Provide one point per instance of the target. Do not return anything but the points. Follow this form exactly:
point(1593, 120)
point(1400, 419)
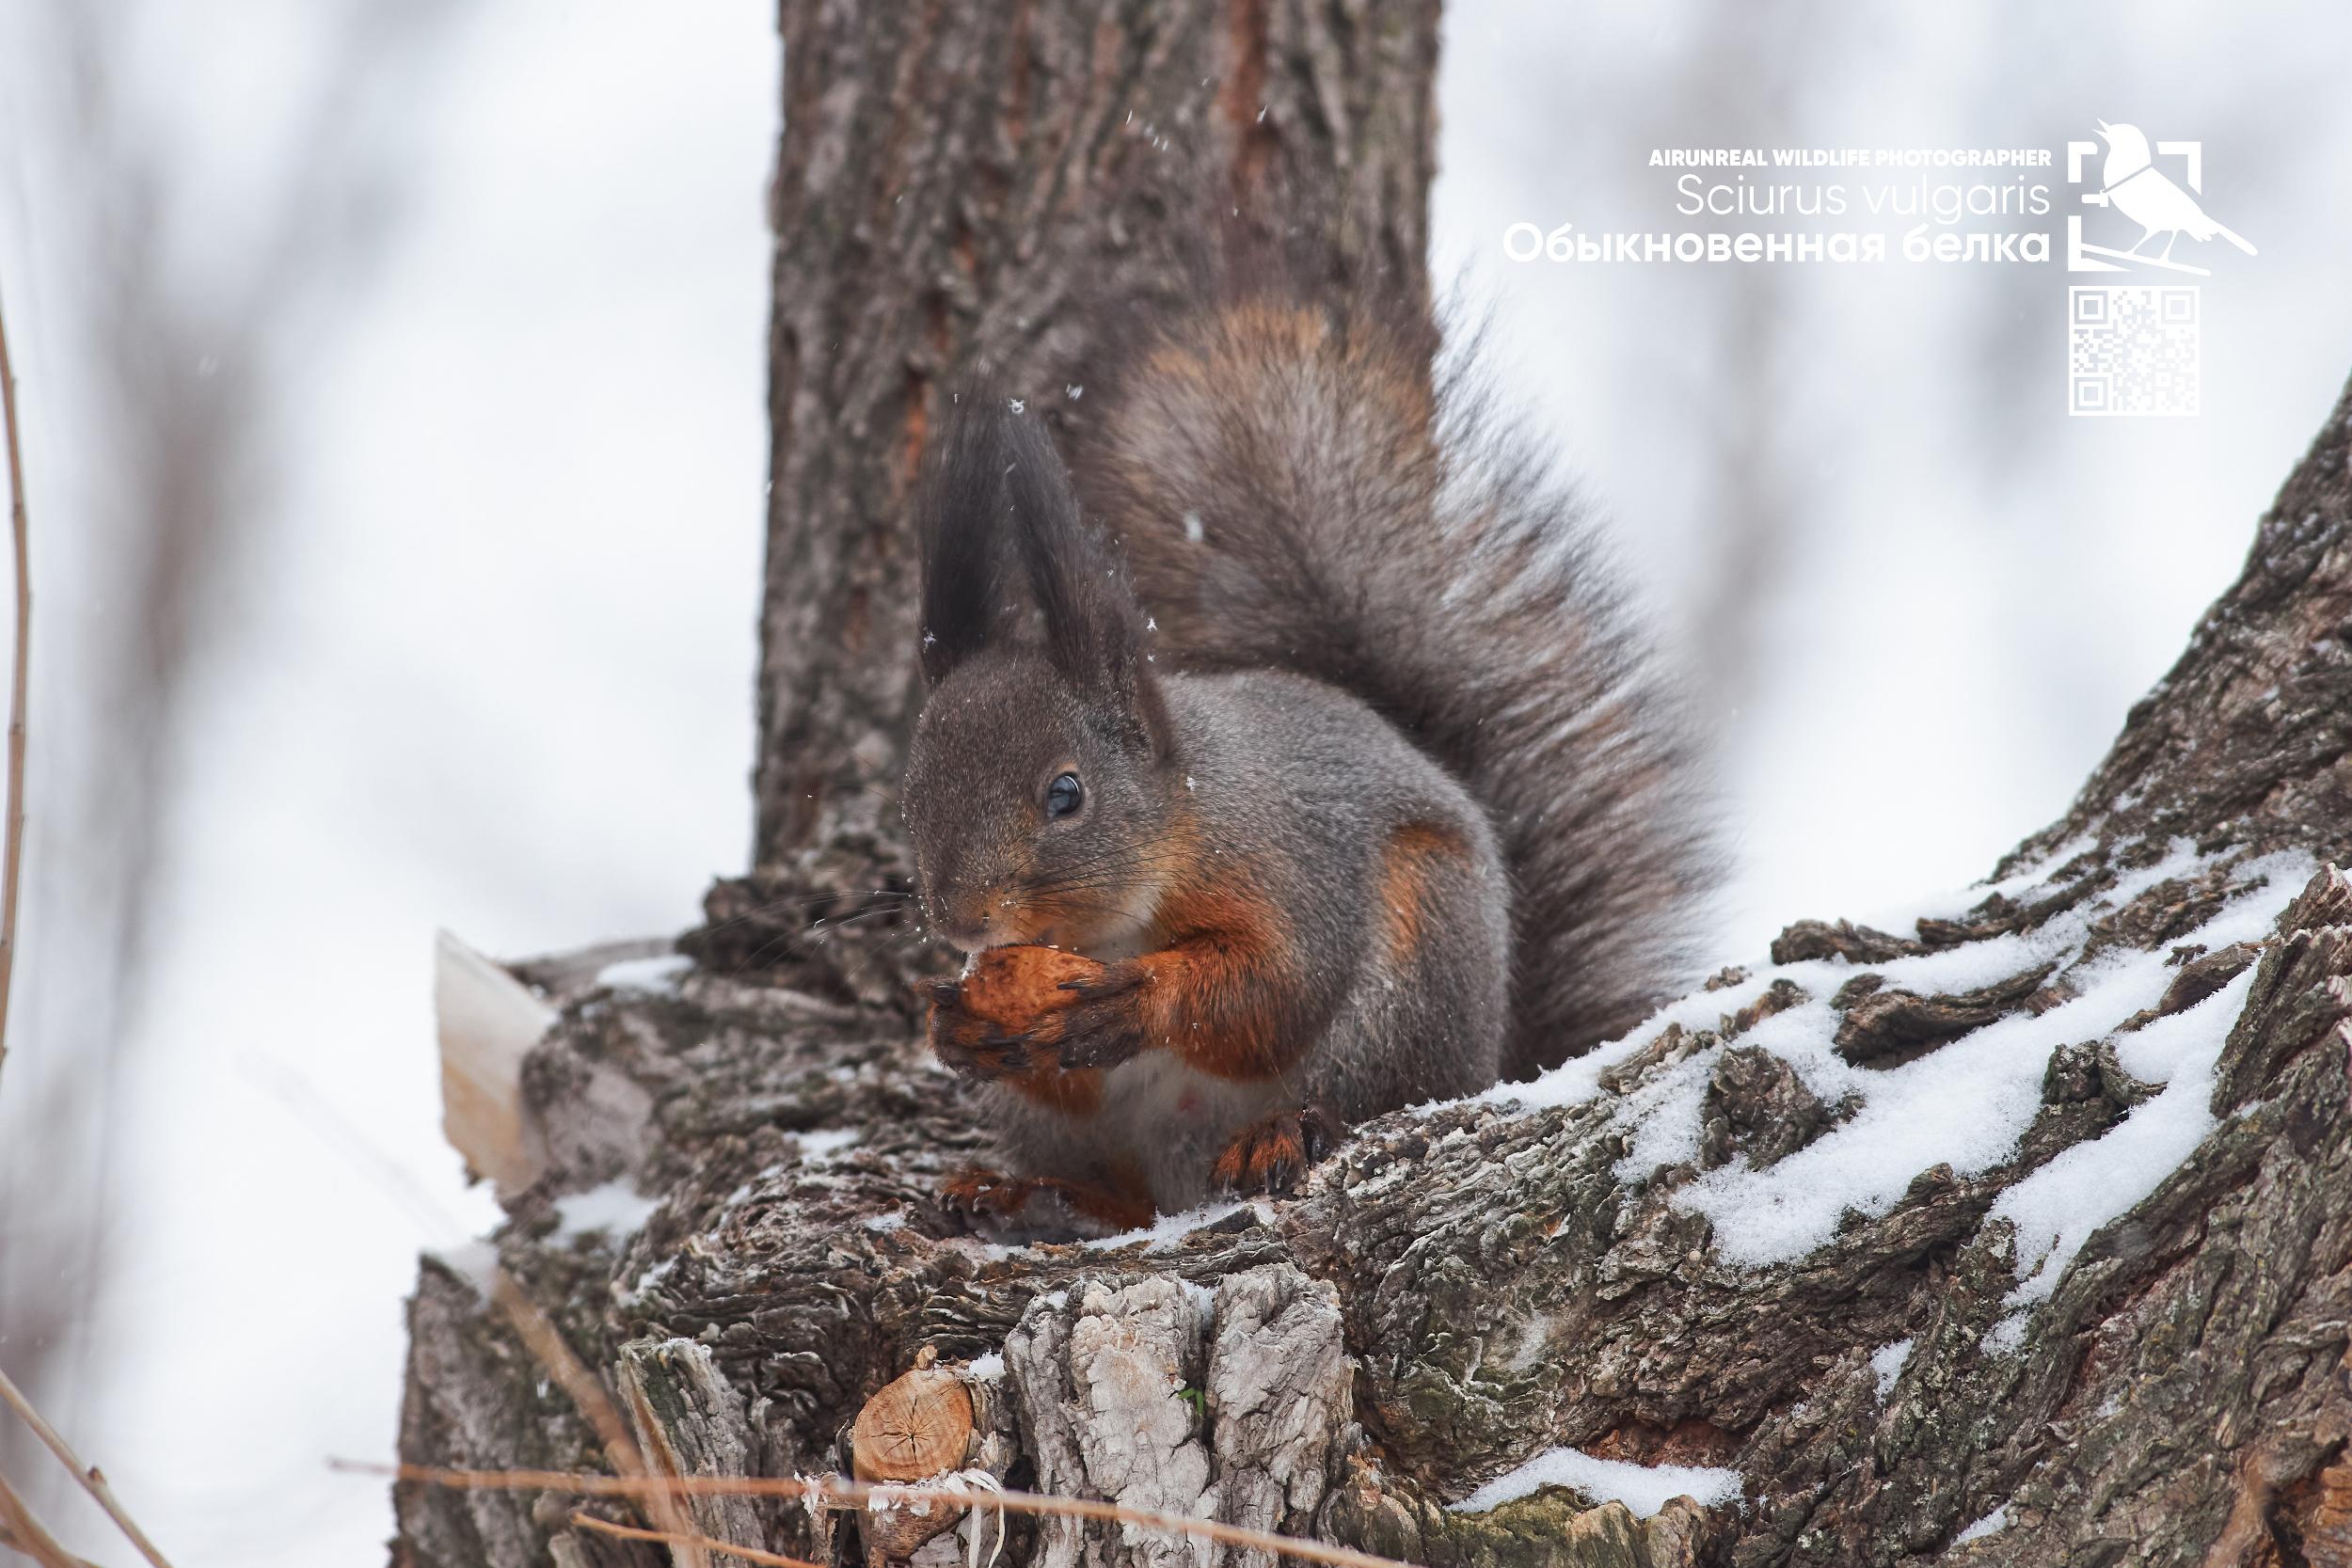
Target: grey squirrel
point(1287, 758)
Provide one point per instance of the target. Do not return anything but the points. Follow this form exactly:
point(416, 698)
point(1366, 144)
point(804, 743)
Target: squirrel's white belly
point(1178, 1120)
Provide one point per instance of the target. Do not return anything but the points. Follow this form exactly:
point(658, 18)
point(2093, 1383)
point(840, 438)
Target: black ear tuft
point(1080, 585)
point(959, 511)
point(1093, 626)
point(998, 491)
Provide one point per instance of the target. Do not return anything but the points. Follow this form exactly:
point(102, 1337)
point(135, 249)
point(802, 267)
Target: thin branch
point(94, 1480)
point(19, 1531)
point(548, 1347)
point(18, 530)
point(546, 1343)
point(850, 1494)
point(705, 1543)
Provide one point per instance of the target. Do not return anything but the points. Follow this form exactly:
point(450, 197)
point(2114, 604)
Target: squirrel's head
point(1037, 786)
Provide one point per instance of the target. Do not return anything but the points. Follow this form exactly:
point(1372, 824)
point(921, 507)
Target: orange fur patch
point(1216, 990)
point(1073, 1091)
point(1407, 864)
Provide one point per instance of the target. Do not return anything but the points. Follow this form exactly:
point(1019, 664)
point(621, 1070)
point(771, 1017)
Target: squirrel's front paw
point(1007, 1010)
point(1270, 1156)
point(1103, 1027)
point(970, 1044)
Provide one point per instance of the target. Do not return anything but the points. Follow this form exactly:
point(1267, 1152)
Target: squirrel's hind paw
point(1041, 1208)
point(1273, 1155)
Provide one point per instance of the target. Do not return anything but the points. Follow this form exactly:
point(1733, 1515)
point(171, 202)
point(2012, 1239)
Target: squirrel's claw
point(973, 1047)
point(1273, 1155)
point(1104, 1027)
point(1114, 980)
point(991, 1057)
point(1099, 1035)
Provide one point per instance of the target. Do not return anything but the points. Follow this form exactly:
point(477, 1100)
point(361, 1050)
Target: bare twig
point(850, 1494)
point(19, 1531)
point(705, 1543)
point(15, 835)
point(546, 1345)
point(94, 1480)
point(23, 1531)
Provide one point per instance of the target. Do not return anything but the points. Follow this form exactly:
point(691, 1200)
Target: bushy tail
point(1293, 489)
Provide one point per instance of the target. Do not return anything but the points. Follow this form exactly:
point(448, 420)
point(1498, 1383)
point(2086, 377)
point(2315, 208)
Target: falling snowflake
point(1016, 404)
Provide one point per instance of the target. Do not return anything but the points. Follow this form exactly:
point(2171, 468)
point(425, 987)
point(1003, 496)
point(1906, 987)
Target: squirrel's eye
point(1062, 796)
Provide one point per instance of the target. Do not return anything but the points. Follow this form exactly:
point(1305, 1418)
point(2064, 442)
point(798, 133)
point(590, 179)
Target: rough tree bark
point(2112, 1330)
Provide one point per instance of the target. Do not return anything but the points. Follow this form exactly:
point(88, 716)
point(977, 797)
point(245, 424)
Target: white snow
point(1576, 1081)
point(1967, 1103)
point(1991, 1523)
point(1165, 1231)
point(657, 974)
point(1642, 1488)
point(822, 1143)
point(1951, 905)
point(986, 1368)
point(2008, 1337)
point(616, 1206)
point(475, 1262)
point(1887, 1363)
point(2058, 1208)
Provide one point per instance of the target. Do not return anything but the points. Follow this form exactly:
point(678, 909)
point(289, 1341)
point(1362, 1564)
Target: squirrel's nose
point(970, 936)
point(962, 919)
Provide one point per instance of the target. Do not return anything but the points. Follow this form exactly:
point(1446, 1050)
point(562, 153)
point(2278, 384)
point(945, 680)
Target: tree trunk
point(2016, 1236)
point(953, 175)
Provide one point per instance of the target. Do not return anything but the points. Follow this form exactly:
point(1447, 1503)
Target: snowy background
point(393, 381)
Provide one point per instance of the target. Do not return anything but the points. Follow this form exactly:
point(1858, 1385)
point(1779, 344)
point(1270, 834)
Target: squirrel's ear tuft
point(958, 513)
point(995, 491)
point(1093, 626)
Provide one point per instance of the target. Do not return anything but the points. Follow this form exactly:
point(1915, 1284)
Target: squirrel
point(1296, 729)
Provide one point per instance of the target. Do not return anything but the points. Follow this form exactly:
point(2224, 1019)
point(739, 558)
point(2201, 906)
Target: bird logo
point(2132, 184)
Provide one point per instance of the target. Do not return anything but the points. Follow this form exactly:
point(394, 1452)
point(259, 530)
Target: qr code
point(2131, 349)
